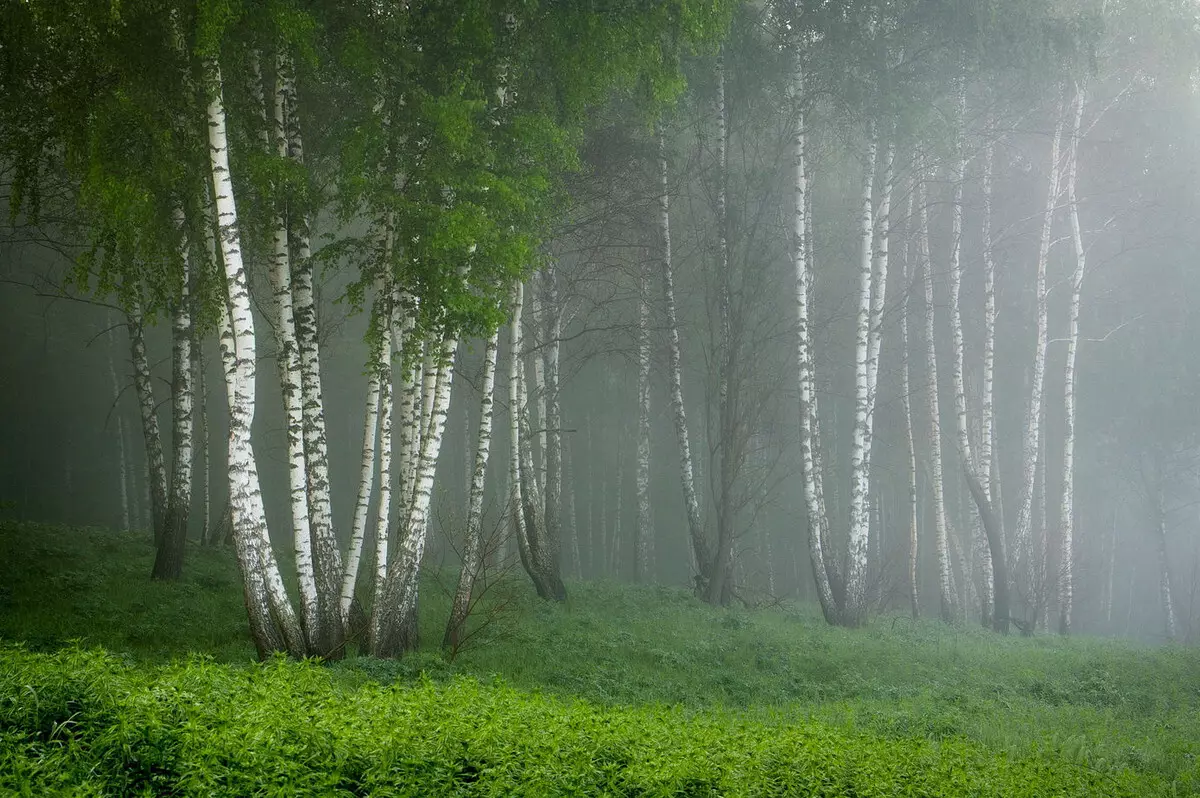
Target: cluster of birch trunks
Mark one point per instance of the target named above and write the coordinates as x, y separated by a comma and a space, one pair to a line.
999, 565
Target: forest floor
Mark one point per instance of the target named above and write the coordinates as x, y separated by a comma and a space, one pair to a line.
112, 684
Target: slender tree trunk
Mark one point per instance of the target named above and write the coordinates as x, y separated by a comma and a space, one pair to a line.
156, 467
275, 134
538, 424
383, 511
1164, 561
473, 548
328, 637
958, 180
397, 628
572, 517
907, 409
1023, 554
202, 436
860, 520
1066, 522
273, 621
552, 462
645, 531
692, 505
719, 586
122, 466
379, 392
810, 445
168, 560
945, 575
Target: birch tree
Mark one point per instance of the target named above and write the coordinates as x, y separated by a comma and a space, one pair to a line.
1066, 524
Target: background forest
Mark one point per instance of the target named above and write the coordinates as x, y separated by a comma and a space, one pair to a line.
433, 319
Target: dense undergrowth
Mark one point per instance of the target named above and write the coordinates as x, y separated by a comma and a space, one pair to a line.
622, 691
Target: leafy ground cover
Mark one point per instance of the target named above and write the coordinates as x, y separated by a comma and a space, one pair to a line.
623, 691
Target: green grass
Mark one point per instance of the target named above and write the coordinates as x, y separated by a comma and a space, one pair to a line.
622, 691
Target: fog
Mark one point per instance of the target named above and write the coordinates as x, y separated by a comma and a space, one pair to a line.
69, 414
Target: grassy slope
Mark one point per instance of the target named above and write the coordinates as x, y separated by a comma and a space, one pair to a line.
1083, 706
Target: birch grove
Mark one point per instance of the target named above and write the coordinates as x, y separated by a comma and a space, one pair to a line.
802, 249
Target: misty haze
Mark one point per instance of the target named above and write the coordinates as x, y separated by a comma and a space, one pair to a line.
655, 397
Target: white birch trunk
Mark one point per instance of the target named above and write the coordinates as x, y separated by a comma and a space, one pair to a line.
273, 620
168, 561
156, 466
288, 361
379, 385
397, 628
383, 512
907, 408
473, 547
692, 505
945, 576
1164, 560
539, 381
122, 466
1024, 567
814, 501
645, 532
329, 635
1067, 506
860, 519
553, 418
719, 586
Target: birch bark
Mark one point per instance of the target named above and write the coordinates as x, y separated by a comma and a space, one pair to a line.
156, 466
473, 549
168, 560
288, 362
814, 501
907, 408
853, 608
1023, 565
328, 637
945, 576
692, 505
272, 619
1067, 507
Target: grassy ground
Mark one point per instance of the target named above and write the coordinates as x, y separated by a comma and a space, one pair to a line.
896, 701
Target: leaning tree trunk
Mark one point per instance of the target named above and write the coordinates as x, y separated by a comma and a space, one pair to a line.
473, 547
168, 560
945, 588
814, 500
156, 466
691, 503
329, 635
1023, 554
854, 608
273, 621
1066, 522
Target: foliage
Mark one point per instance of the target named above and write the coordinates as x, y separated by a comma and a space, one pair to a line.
750, 687
80, 719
